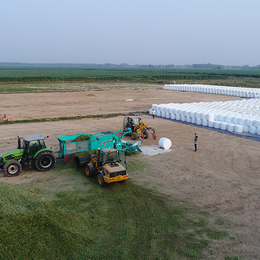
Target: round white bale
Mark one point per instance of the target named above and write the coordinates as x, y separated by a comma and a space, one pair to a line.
198, 121
238, 128
204, 122
188, 119
252, 130
210, 123
216, 124
183, 119
245, 128
223, 125
230, 127
173, 116
165, 143
210, 117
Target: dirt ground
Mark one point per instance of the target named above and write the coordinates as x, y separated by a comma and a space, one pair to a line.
222, 177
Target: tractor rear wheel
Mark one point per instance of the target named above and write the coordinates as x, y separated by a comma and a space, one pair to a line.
100, 180
146, 134
90, 170
44, 161
12, 168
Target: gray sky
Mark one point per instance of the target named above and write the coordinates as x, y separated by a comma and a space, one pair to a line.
223, 32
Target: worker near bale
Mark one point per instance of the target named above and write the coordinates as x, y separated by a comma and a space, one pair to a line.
153, 113
195, 142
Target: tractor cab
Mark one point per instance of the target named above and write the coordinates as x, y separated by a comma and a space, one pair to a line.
111, 156
31, 144
130, 122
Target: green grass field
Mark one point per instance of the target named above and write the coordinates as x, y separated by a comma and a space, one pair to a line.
68, 216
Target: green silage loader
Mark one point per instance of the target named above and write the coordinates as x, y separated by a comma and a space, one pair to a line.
30, 153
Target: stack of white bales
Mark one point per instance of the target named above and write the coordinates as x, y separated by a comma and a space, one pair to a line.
234, 116
220, 90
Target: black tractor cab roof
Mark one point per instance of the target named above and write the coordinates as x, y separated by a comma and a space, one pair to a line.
33, 137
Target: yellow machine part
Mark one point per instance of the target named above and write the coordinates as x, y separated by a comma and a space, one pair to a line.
115, 179
108, 169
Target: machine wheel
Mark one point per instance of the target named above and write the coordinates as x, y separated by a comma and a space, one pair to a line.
146, 134
89, 170
100, 179
44, 161
133, 136
12, 168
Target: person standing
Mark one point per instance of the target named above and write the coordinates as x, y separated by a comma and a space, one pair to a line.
195, 142
153, 113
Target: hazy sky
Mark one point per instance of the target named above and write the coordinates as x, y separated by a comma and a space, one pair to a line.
130, 31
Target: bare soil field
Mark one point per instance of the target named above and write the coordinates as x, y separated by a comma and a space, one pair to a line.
222, 177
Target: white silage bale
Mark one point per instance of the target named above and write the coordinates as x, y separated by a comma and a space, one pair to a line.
165, 143
210, 117
188, 119
198, 121
191, 114
249, 122
257, 123
193, 120
173, 116
167, 115
228, 118
187, 112
230, 127
216, 124
238, 128
258, 130
235, 120
204, 116
204, 122
161, 107
245, 128
162, 114
197, 114
158, 113
210, 123
241, 121
221, 118
252, 130
183, 119
178, 117
150, 111
223, 125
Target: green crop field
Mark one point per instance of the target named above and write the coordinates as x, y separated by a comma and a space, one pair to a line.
60, 79
66, 74
65, 215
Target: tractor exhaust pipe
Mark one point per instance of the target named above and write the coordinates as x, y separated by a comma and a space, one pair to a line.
19, 143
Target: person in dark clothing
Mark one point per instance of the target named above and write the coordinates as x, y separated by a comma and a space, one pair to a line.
195, 142
153, 113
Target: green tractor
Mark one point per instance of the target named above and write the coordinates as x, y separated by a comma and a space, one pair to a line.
31, 153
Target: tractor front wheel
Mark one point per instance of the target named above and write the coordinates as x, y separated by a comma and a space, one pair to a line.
100, 180
90, 170
44, 161
133, 136
12, 168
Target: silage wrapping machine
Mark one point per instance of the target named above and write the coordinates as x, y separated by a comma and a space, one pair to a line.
72, 144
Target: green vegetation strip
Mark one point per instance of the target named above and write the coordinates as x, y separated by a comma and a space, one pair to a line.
63, 118
87, 74
68, 216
